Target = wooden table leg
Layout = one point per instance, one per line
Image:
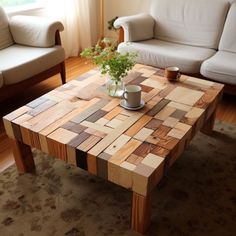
(23, 156)
(141, 213)
(209, 125)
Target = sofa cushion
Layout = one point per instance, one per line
(5, 35)
(228, 42)
(163, 54)
(191, 22)
(21, 62)
(221, 67)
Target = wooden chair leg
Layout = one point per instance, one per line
(63, 72)
(141, 213)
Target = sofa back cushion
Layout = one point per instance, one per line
(191, 22)
(5, 35)
(228, 38)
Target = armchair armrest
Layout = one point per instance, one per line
(34, 31)
(136, 27)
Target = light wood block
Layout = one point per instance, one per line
(92, 164)
(117, 145)
(179, 106)
(111, 105)
(71, 155)
(111, 137)
(62, 135)
(147, 97)
(113, 113)
(143, 134)
(120, 156)
(97, 127)
(15, 114)
(185, 96)
(102, 165)
(121, 117)
(88, 143)
(154, 84)
(114, 123)
(170, 122)
(126, 174)
(152, 160)
(143, 176)
(133, 130)
(165, 113)
(102, 121)
(95, 132)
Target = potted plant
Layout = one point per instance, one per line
(112, 63)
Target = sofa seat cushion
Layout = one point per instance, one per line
(21, 62)
(164, 54)
(221, 67)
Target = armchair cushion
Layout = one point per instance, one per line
(20, 62)
(5, 35)
(136, 27)
(157, 52)
(221, 67)
(34, 31)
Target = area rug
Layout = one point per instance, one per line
(197, 196)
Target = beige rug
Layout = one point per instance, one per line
(196, 198)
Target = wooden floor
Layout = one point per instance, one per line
(74, 67)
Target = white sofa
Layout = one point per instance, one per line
(198, 36)
(30, 51)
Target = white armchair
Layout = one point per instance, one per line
(30, 51)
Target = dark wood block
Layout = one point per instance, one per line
(96, 116)
(144, 149)
(75, 142)
(153, 124)
(178, 114)
(158, 107)
(81, 159)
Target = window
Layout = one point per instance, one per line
(15, 5)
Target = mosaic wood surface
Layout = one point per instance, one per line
(80, 124)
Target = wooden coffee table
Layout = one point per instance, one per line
(79, 124)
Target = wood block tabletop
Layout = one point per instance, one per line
(80, 124)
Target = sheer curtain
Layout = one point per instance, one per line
(80, 19)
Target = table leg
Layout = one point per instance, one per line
(23, 156)
(209, 125)
(141, 212)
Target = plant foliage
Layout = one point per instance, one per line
(111, 62)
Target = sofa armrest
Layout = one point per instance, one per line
(34, 31)
(136, 27)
